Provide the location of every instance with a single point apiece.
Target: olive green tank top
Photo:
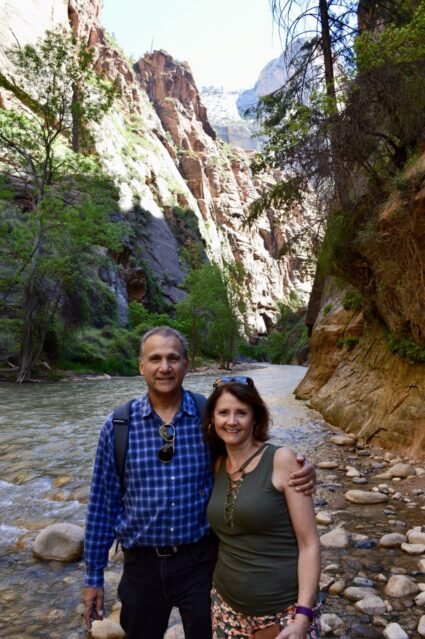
(256, 571)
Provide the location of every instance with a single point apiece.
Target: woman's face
(233, 420)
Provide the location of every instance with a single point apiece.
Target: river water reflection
(48, 439)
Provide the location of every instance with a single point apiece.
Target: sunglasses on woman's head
(238, 379)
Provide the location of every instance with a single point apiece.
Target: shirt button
(172, 529)
(173, 478)
(173, 504)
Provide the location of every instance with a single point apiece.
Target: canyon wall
(160, 149)
(367, 369)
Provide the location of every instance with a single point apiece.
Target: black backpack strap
(120, 421)
(200, 401)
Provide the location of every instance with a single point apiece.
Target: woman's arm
(303, 520)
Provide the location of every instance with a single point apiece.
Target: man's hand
(304, 479)
(93, 605)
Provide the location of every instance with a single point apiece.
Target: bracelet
(302, 610)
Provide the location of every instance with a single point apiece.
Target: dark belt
(167, 551)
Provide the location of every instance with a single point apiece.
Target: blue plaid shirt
(164, 504)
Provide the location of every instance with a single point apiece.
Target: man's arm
(102, 511)
(304, 479)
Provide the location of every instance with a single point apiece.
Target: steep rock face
(162, 153)
(369, 390)
(222, 183)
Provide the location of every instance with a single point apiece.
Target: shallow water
(49, 434)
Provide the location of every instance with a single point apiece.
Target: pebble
(337, 587)
(343, 440)
(328, 464)
(392, 540)
(416, 537)
(371, 605)
(413, 549)
(420, 599)
(324, 518)
(365, 497)
(336, 538)
(356, 593)
(106, 629)
(421, 626)
(400, 586)
(394, 631)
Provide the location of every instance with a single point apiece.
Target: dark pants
(152, 585)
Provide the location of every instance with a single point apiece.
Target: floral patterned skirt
(229, 624)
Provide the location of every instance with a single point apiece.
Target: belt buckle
(169, 554)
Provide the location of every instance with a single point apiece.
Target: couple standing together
(186, 487)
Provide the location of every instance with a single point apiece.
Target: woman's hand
(296, 629)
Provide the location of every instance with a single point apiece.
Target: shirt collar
(187, 406)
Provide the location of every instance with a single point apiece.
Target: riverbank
(58, 375)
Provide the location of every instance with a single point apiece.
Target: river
(47, 445)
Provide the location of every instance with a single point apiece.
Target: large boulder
(60, 542)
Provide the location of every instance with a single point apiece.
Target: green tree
(211, 320)
(54, 202)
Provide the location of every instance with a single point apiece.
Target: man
(160, 521)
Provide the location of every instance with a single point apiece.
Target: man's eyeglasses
(239, 379)
(168, 434)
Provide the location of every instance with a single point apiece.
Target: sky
(225, 42)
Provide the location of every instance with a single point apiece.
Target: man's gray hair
(166, 331)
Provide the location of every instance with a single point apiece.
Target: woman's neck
(237, 455)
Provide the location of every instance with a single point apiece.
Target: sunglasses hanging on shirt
(168, 434)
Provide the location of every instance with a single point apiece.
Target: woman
(266, 578)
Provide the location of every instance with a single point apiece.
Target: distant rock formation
(226, 120)
(274, 76)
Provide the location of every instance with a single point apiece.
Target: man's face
(163, 364)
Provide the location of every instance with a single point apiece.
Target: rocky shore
(370, 509)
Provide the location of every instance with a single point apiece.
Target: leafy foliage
(59, 216)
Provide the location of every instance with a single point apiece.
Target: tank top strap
(265, 467)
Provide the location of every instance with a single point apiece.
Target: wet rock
(400, 586)
(365, 497)
(107, 629)
(421, 565)
(365, 544)
(337, 587)
(324, 518)
(421, 626)
(328, 464)
(420, 599)
(351, 471)
(331, 568)
(416, 537)
(343, 440)
(363, 582)
(356, 593)
(60, 542)
(329, 622)
(413, 549)
(392, 540)
(359, 480)
(325, 581)
(363, 631)
(401, 470)
(371, 605)
(394, 631)
(336, 538)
